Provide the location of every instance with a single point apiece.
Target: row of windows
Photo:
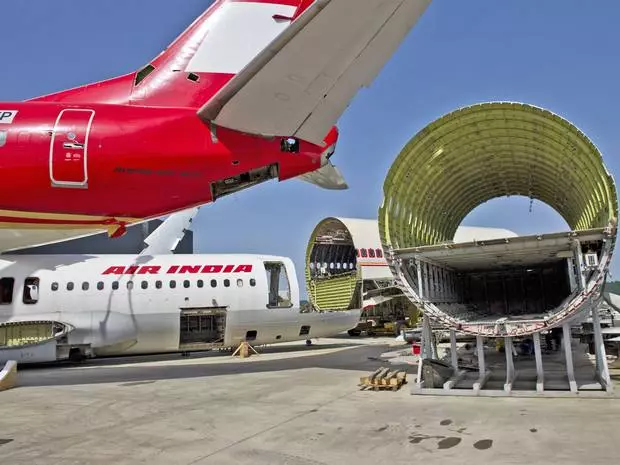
(371, 253)
(31, 287)
(332, 266)
(172, 284)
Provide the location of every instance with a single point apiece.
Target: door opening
(279, 286)
(6, 290)
(69, 148)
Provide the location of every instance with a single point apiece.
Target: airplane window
(158, 284)
(3, 135)
(200, 283)
(6, 290)
(186, 284)
(84, 286)
(69, 286)
(379, 253)
(31, 291)
(143, 73)
(115, 285)
(144, 285)
(371, 253)
(227, 283)
(54, 286)
(129, 284)
(252, 282)
(239, 282)
(100, 285)
(364, 253)
(312, 266)
(173, 284)
(213, 283)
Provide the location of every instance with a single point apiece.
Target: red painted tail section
(200, 61)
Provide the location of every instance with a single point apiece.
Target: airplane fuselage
(87, 167)
(54, 307)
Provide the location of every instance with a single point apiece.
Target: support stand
(602, 369)
(483, 374)
(445, 378)
(426, 344)
(456, 374)
(510, 366)
(568, 356)
(540, 373)
(244, 350)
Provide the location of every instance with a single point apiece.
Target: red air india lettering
(190, 269)
(115, 270)
(212, 269)
(149, 269)
(178, 269)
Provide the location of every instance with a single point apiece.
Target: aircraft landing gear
(308, 342)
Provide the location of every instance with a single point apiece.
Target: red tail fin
(219, 44)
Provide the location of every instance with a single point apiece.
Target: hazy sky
(558, 54)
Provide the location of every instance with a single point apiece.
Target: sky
(557, 54)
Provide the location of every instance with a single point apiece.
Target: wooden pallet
(384, 378)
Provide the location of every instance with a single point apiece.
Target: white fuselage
(53, 306)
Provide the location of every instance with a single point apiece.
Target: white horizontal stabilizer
(306, 78)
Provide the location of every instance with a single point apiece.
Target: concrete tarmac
(291, 405)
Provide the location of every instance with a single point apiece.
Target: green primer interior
(331, 293)
(490, 150)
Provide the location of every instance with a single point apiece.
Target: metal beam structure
(456, 384)
(508, 287)
(476, 154)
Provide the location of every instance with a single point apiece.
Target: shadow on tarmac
(361, 358)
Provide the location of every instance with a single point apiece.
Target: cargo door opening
(202, 328)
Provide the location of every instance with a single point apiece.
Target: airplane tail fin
(202, 60)
(217, 46)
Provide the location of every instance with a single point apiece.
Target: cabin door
(69, 148)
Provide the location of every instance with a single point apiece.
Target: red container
(415, 348)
